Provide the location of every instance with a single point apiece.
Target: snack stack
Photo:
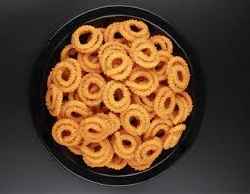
(118, 95)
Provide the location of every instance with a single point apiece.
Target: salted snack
(119, 95)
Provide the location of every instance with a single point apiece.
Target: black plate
(43, 121)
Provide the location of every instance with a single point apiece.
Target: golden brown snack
(54, 98)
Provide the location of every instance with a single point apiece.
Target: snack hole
(160, 133)
(117, 35)
(160, 66)
(93, 88)
(135, 28)
(167, 102)
(158, 46)
(76, 114)
(84, 38)
(150, 152)
(116, 62)
(126, 143)
(151, 97)
(135, 122)
(146, 51)
(66, 133)
(180, 75)
(65, 74)
(118, 95)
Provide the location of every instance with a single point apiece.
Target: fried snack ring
(114, 122)
(112, 33)
(75, 110)
(76, 149)
(164, 102)
(174, 136)
(188, 100)
(162, 43)
(181, 110)
(67, 75)
(93, 41)
(161, 67)
(124, 144)
(91, 88)
(97, 154)
(68, 52)
(146, 153)
(134, 29)
(178, 74)
(144, 53)
(117, 163)
(116, 65)
(142, 82)
(135, 120)
(54, 98)
(89, 62)
(111, 47)
(158, 128)
(66, 132)
(116, 96)
(94, 128)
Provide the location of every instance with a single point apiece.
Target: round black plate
(50, 55)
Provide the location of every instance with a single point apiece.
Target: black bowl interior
(50, 55)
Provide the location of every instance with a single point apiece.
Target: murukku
(164, 102)
(112, 33)
(116, 96)
(113, 122)
(174, 136)
(134, 29)
(116, 65)
(117, 163)
(91, 88)
(161, 67)
(178, 74)
(181, 110)
(54, 98)
(89, 62)
(188, 100)
(75, 110)
(67, 75)
(124, 144)
(68, 52)
(66, 132)
(162, 43)
(87, 39)
(97, 154)
(135, 120)
(144, 53)
(146, 153)
(142, 82)
(158, 128)
(94, 128)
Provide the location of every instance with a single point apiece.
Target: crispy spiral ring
(181, 110)
(144, 53)
(89, 62)
(135, 120)
(188, 100)
(93, 42)
(161, 67)
(112, 33)
(68, 52)
(164, 102)
(116, 96)
(67, 75)
(116, 65)
(146, 153)
(162, 43)
(113, 122)
(94, 128)
(54, 98)
(158, 128)
(124, 144)
(75, 110)
(117, 163)
(66, 132)
(134, 29)
(142, 82)
(178, 74)
(97, 154)
(174, 136)
(91, 88)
